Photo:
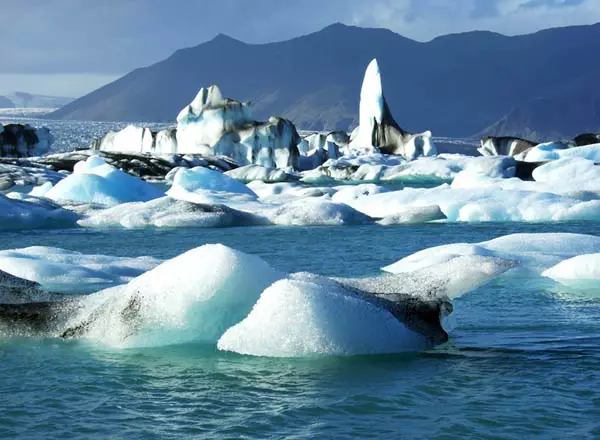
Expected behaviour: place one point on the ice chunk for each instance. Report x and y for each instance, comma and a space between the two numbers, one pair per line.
313, 316
414, 214
167, 212
193, 297
345, 194
558, 150
33, 213
94, 181
477, 199
504, 146
205, 179
249, 173
316, 212
60, 270
535, 252
581, 272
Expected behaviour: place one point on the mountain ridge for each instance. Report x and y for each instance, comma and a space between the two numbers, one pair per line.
455, 85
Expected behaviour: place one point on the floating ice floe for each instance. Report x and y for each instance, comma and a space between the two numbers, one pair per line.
94, 181
580, 272
33, 213
60, 270
421, 171
534, 252
203, 185
476, 196
167, 212
315, 212
193, 297
250, 173
554, 151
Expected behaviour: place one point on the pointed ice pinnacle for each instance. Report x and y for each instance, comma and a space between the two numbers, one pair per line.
379, 129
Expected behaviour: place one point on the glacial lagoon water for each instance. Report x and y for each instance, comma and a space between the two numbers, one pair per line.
523, 360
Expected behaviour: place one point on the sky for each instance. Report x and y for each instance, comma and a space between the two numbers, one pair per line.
71, 47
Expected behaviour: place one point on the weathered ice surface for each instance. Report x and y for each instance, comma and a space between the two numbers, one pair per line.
144, 166
504, 146
586, 139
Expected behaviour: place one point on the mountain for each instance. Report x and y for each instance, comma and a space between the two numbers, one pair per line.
569, 110
6, 103
455, 85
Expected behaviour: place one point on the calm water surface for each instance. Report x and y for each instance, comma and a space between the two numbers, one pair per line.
523, 360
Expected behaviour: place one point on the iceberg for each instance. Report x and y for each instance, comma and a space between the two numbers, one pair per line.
307, 316
212, 125
555, 150
315, 212
504, 146
579, 272
17, 140
94, 181
33, 213
377, 128
193, 297
167, 212
534, 252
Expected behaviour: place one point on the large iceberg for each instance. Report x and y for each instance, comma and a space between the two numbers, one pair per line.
377, 128
212, 125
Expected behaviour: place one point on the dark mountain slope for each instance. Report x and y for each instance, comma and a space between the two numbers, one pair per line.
455, 85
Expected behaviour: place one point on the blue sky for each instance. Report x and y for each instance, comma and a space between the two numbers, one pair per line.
69, 47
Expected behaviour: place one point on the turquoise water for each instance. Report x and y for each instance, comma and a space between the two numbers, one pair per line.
523, 360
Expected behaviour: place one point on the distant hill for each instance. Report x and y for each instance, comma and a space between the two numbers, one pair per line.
563, 113
28, 100
455, 85
6, 103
